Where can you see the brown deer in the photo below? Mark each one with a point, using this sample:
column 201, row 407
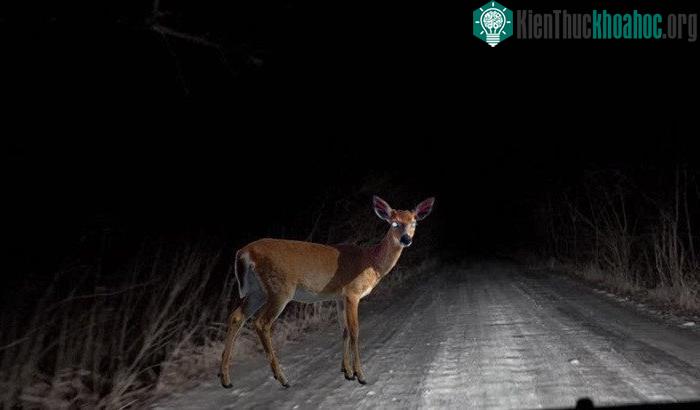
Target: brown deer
column 272, row 272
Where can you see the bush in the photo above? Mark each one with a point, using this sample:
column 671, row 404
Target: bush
column 608, row 229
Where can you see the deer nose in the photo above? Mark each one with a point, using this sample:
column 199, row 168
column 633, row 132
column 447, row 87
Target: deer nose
column 405, row 240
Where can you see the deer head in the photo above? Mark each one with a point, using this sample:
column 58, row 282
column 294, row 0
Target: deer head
column 403, row 223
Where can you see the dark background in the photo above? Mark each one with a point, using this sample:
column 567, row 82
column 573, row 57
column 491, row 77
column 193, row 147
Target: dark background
column 110, row 126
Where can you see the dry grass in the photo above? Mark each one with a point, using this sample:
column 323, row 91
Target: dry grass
column 94, row 346
column 685, row 298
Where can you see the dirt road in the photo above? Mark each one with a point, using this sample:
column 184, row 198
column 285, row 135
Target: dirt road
column 486, row 336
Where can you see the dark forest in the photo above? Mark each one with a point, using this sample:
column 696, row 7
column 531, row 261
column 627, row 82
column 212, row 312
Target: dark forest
column 144, row 144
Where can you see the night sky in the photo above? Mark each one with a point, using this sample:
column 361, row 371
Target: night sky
column 108, row 124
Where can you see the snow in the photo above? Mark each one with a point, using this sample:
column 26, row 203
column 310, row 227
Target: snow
column 489, row 336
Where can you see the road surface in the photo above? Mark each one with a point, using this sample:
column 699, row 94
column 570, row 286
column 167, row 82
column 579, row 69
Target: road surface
column 485, row 336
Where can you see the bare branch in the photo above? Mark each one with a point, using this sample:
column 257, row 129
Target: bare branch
column 199, row 40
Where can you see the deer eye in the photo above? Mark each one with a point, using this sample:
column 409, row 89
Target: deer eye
column 395, row 224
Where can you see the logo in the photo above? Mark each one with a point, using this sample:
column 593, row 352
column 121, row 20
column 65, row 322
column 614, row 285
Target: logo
column 493, row 23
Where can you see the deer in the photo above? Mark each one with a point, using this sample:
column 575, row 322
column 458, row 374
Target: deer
column 272, row 272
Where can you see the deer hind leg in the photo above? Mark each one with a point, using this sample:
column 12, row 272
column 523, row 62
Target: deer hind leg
column 263, row 325
column 351, row 305
column 342, row 321
column 251, row 304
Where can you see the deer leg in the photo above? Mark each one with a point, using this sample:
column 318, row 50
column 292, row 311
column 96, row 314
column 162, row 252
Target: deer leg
column 342, row 321
column 351, row 305
column 263, row 325
column 236, row 320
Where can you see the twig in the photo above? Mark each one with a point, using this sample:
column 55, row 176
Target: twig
column 167, row 31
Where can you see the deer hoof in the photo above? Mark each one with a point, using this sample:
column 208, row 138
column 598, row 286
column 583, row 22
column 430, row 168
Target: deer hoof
column 360, row 379
column 348, row 376
column 221, row 379
column 283, row 381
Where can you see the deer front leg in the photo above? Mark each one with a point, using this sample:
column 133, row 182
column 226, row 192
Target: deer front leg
column 342, row 321
column 351, row 305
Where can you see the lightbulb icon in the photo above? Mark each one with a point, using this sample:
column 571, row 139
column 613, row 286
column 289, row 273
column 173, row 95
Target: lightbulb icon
column 493, row 21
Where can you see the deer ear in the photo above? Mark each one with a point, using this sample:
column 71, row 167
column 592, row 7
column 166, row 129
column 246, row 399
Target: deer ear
column 381, row 208
column 424, row 208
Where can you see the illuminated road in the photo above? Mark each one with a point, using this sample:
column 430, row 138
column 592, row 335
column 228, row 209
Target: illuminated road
column 487, row 336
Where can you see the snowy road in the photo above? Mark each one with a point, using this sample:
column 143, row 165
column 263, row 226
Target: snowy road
column 487, row 336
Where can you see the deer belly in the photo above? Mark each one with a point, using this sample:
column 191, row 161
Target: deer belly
column 306, row 296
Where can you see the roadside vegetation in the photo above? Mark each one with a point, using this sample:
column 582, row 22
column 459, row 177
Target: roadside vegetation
column 635, row 240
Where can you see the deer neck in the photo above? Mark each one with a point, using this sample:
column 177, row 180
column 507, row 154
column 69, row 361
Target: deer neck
column 385, row 254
